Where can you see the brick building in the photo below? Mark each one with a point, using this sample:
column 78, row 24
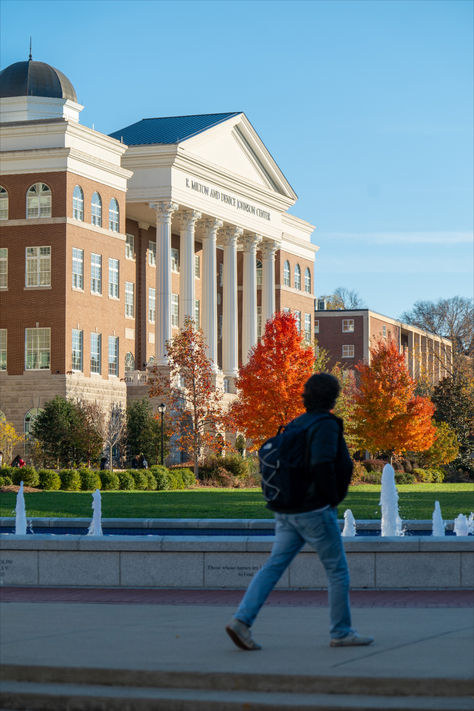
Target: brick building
column 108, row 242
column 348, row 335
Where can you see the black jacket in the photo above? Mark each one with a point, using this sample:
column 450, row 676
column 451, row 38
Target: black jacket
column 329, row 465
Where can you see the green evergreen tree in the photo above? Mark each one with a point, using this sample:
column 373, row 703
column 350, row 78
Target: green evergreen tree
column 453, row 398
column 144, row 432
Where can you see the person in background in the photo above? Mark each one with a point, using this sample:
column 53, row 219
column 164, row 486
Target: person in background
column 17, row 462
column 103, row 463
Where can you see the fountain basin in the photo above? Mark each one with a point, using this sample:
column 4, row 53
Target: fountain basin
column 223, row 561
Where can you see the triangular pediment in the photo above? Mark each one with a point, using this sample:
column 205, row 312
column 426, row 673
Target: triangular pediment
column 235, row 146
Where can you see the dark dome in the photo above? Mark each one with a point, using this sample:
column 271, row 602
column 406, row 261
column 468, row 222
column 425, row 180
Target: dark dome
column 35, row 79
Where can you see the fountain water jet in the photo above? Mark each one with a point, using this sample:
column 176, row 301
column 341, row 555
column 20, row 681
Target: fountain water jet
column 20, row 513
column 438, row 523
column 349, row 524
column 461, row 525
column 391, row 523
column 95, row 527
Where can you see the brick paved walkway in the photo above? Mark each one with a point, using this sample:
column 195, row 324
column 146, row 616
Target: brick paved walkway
column 296, row 598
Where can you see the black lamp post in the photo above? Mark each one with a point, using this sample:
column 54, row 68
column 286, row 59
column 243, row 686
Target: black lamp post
column 161, row 409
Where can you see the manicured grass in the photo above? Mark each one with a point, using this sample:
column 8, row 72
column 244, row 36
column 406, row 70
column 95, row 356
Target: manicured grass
column 416, row 502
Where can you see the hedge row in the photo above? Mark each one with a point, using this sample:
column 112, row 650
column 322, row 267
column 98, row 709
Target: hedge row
column 157, row 478
column 419, row 476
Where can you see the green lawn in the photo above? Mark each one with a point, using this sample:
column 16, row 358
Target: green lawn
column 416, row 502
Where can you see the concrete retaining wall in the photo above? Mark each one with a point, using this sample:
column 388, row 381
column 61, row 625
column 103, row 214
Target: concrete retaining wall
column 417, row 562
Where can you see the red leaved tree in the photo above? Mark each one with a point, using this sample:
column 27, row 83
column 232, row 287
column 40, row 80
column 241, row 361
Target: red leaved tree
column 193, row 401
column 270, row 385
column 387, row 415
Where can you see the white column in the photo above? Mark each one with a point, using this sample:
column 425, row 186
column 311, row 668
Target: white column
column 230, row 333
column 268, row 250
column 249, row 295
column 209, row 287
column 164, row 210
column 187, row 296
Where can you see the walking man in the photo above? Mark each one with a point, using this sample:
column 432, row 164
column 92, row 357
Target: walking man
column 313, row 521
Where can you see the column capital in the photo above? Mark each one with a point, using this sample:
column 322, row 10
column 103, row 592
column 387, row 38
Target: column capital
column 143, row 226
column 250, row 241
column 210, row 225
column 188, row 218
column 268, row 248
column 230, row 235
column 164, row 208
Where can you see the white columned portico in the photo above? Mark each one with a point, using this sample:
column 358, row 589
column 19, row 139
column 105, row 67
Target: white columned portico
column 249, row 294
column 187, row 298
column 268, row 250
column 209, row 287
column 230, row 334
column 164, row 211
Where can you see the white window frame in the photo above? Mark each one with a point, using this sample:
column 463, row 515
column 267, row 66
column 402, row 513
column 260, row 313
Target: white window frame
column 197, row 266
column 297, row 277
column 348, row 351
column 113, row 356
column 3, row 267
column 129, row 299
column 28, row 420
column 298, row 320
column 175, row 310
column 175, row 260
column 96, row 273
column 348, row 325
column 151, row 304
column 37, row 267
column 78, row 203
column 130, row 246
column 286, row 273
column 151, row 253
column 37, row 348
column 197, row 313
column 96, row 353
column 3, row 203
column 77, row 269
column 77, row 350
column 114, row 278
column 3, row 348
column 259, row 270
column 307, row 327
column 307, row 280
column 384, row 331
column 316, row 325
column 114, row 215
column 38, row 201
column 259, row 321
column 96, row 209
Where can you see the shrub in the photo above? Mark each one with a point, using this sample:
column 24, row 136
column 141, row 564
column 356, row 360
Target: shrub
column 70, row 480
column 28, row 475
column 429, row 476
column 90, row 480
column 372, row 478
column 126, row 481
column 151, row 481
column 233, row 463
column 141, row 481
column 109, row 480
column 358, row 474
column 187, row 477
column 49, row 479
column 220, row 477
column 7, row 471
column 162, row 477
column 176, row 480
column 5, row 480
column 404, row 478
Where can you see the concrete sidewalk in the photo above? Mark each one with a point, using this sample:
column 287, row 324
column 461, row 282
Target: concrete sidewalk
column 420, row 653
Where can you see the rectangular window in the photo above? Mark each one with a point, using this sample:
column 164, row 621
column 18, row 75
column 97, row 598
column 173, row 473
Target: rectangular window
column 197, row 313
column 348, row 325
column 259, row 321
column 38, row 266
column 175, row 310
column 77, row 349
column 151, row 253
column 219, row 327
column 298, row 320
column 3, row 268
column 130, row 247
column 113, row 355
column 113, row 278
column 151, row 304
column 96, row 274
column 197, row 266
column 77, row 268
column 348, row 351
column 384, row 331
column 129, row 299
column 3, row 348
column 174, row 259
column 96, row 353
column 37, row 348
column 307, row 327
column 221, row 274
column 316, row 326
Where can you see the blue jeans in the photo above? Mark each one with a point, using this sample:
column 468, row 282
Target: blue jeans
column 321, row 530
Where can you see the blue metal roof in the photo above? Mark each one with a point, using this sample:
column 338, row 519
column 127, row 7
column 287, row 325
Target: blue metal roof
column 168, row 129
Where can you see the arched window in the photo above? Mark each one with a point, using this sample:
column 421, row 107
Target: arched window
column 38, row 201
column 3, row 204
column 307, row 280
column 286, row 274
column 78, row 204
column 129, row 362
column 30, row 417
column 114, row 215
column 96, row 210
column 297, row 277
column 259, row 272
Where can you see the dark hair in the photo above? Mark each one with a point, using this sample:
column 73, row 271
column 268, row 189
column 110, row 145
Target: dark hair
column 321, row 391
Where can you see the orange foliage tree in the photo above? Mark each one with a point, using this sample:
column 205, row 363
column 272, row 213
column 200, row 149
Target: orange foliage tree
column 270, row 385
column 387, row 416
column 194, row 403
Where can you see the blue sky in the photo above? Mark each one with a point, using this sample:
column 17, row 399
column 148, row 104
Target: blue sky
column 367, row 107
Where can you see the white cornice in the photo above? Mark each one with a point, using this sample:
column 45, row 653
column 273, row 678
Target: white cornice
column 299, row 242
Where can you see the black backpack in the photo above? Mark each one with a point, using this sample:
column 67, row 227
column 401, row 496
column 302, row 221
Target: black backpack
column 283, row 465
